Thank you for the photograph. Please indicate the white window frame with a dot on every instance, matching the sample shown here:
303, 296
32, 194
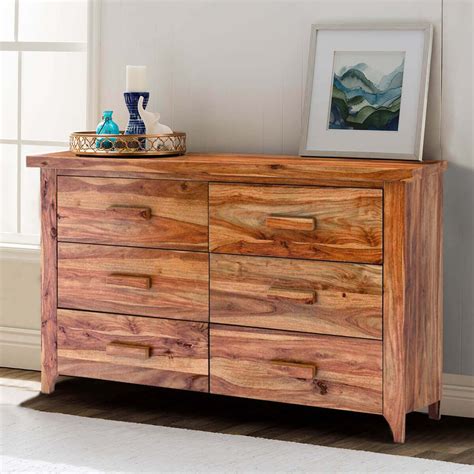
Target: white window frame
91, 47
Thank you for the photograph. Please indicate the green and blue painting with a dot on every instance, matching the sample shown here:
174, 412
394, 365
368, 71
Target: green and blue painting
367, 90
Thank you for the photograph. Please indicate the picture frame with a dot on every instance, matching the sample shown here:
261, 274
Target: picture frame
366, 91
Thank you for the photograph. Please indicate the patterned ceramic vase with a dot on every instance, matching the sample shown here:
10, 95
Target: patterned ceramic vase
135, 123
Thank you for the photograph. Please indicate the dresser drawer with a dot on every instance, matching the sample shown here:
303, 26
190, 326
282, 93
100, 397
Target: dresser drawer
131, 349
298, 295
341, 224
325, 371
147, 282
133, 212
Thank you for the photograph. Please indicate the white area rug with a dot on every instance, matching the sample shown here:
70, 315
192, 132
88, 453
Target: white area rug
33, 441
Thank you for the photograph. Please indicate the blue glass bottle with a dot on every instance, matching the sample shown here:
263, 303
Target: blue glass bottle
106, 127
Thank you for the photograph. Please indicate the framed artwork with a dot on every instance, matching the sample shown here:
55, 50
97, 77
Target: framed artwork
366, 91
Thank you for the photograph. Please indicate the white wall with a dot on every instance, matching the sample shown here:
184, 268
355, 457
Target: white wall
457, 147
231, 74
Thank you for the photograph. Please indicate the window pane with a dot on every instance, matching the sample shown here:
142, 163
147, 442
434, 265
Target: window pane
52, 20
7, 20
30, 189
8, 94
53, 102
8, 188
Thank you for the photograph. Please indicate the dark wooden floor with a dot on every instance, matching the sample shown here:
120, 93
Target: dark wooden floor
451, 439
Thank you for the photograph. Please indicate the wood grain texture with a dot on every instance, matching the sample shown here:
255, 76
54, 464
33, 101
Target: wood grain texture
339, 202
349, 371
424, 310
178, 290
291, 222
296, 295
244, 168
178, 349
49, 294
133, 212
349, 296
349, 222
434, 411
130, 212
128, 281
294, 370
412, 298
123, 349
394, 395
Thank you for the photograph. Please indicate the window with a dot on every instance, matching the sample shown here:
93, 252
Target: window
45, 58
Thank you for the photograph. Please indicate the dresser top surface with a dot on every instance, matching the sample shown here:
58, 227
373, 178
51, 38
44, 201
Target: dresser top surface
243, 168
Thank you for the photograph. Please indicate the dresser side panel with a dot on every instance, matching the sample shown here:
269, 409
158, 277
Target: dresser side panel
394, 307
412, 326
423, 320
49, 288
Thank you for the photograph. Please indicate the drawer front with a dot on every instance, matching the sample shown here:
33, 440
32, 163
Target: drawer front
131, 349
341, 224
133, 212
298, 295
325, 371
147, 282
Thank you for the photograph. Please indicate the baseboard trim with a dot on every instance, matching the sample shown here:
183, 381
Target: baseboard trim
458, 395
25, 253
21, 349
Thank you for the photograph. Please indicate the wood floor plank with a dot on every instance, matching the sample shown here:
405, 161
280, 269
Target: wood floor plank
466, 457
434, 455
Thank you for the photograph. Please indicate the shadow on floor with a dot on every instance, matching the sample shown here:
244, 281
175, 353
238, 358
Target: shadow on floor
451, 439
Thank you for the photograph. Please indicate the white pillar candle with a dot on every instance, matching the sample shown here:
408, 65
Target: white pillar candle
136, 79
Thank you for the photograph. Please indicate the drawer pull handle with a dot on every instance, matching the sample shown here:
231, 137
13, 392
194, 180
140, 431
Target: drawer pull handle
295, 370
291, 222
128, 281
304, 296
123, 349
130, 212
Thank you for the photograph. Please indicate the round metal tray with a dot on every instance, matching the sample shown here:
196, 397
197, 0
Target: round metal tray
90, 143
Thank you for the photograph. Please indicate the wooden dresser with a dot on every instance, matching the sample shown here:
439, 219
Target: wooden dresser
308, 281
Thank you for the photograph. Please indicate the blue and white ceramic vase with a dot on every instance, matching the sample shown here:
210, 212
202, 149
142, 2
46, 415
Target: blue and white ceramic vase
135, 123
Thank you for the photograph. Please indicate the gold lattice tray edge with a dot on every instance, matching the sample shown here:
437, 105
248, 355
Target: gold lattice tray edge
92, 144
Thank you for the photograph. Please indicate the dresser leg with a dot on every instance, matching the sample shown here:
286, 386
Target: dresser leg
48, 382
434, 412
397, 425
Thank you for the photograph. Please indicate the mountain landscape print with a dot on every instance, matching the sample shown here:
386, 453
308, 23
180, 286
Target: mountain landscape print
367, 90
